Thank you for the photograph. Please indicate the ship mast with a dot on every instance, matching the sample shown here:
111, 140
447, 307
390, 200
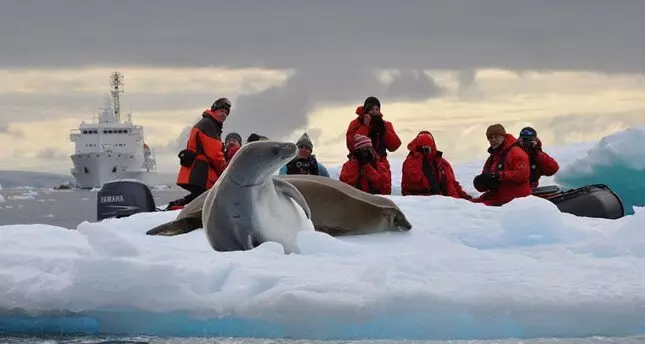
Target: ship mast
116, 91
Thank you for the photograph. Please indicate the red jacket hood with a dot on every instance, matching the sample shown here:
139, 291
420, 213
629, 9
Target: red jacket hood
424, 138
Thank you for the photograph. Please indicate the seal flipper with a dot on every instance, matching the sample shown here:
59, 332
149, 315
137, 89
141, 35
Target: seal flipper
176, 227
293, 192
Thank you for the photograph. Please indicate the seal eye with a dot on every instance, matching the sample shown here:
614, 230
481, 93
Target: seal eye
275, 150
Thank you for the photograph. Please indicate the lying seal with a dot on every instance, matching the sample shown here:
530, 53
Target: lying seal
247, 207
341, 209
336, 209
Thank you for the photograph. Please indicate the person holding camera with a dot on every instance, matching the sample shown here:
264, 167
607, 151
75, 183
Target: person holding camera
370, 123
425, 172
202, 162
506, 172
305, 162
540, 163
364, 170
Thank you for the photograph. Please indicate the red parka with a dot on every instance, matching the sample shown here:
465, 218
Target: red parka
428, 173
541, 164
373, 178
205, 140
511, 163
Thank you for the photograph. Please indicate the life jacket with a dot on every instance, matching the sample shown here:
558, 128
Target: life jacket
303, 166
502, 158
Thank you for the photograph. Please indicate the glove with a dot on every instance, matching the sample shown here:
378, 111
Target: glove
530, 146
364, 157
377, 125
487, 180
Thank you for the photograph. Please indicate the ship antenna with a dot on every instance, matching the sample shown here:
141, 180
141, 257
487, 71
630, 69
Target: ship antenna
117, 82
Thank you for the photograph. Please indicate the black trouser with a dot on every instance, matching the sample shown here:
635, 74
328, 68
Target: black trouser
194, 190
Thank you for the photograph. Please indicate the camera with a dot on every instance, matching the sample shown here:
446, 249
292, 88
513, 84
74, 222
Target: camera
425, 149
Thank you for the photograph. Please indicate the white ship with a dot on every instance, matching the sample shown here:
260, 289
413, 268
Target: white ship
108, 149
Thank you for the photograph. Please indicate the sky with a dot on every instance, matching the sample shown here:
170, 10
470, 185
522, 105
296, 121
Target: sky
572, 69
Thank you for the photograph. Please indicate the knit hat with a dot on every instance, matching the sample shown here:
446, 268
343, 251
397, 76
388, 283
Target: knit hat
221, 103
362, 141
528, 132
495, 129
369, 103
233, 136
305, 141
255, 137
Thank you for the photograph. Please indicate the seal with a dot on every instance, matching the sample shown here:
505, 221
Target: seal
341, 209
247, 207
336, 209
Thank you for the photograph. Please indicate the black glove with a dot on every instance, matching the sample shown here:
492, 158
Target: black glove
377, 125
487, 180
364, 157
530, 146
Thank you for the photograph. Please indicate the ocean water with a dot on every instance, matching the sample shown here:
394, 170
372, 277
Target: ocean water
65, 208
137, 340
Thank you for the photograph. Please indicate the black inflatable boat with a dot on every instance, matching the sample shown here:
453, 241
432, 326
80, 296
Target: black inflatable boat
596, 200
125, 197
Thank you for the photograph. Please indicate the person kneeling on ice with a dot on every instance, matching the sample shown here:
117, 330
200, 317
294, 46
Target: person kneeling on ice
305, 162
540, 163
505, 175
232, 144
426, 172
364, 170
202, 162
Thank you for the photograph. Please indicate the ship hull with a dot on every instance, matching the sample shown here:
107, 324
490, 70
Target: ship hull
92, 170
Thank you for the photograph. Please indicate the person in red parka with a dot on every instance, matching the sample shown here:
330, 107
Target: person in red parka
426, 172
364, 170
203, 161
232, 143
505, 175
371, 124
540, 163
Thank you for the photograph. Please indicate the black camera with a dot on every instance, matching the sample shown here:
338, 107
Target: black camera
425, 149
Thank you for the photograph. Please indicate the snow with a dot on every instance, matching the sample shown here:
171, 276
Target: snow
465, 271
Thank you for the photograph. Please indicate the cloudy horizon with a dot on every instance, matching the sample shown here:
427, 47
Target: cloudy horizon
572, 69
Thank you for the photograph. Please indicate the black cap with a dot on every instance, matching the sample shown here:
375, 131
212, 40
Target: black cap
222, 103
233, 135
256, 137
369, 103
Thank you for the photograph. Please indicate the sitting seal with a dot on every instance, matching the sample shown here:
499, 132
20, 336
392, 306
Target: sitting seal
247, 207
336, 209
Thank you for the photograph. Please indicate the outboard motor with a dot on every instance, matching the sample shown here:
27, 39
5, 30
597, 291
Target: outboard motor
122, 198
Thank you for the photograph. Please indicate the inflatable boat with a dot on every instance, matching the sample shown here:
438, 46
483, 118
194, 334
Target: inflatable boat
125, 197
596, 200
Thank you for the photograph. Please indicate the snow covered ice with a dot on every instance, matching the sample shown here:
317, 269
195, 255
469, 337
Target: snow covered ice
465, 271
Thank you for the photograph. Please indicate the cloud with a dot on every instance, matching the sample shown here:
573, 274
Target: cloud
277, 111
466, 81
413, 86
51, 153
459, 34
6, 130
